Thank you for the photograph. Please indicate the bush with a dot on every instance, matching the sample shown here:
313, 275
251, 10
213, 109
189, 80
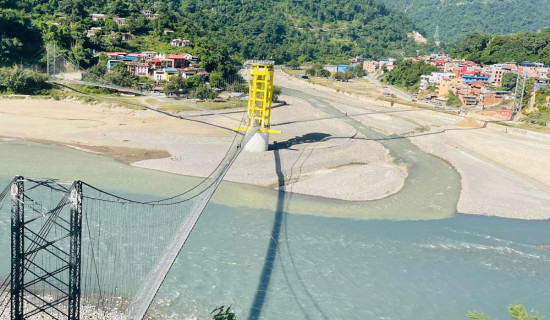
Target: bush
294, 65
407, 74
540, 117
318, 71
222, 313
276, 93
203, 92
238, 87
454, 101
17, 80
517, 312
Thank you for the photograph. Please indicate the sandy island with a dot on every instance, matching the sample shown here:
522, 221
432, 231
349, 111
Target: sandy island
502, 174
310, 161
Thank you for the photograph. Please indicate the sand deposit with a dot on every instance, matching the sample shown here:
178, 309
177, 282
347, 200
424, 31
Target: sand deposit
502, 174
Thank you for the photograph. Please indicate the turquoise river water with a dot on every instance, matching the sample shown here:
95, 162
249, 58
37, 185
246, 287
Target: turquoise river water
273, 255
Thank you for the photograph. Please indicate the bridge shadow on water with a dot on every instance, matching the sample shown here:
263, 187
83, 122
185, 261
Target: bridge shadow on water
265, 277
279, 230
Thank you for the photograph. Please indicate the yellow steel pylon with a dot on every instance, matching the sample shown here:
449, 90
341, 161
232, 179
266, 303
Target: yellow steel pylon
260, 96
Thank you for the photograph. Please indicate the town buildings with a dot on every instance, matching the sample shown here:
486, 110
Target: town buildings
157, 67
371, 66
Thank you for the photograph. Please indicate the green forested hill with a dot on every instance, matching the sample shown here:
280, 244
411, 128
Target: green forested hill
304, 29
220, 31
488, 49
458, 17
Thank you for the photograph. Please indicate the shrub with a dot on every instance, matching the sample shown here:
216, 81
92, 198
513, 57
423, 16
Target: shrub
203, 92
223, 313
17, 80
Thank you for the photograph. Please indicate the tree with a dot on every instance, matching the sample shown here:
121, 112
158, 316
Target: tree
203, 92
81, 55
324, 73
177, 85
339, 76
293, 64
517, 312
509, 81
17, 80
95, 72
215, 78
454, 101
120, 76
19, 40
471, 46
407, 73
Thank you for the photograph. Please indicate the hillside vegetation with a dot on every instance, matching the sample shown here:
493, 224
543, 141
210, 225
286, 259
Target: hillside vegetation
221, 32
458, 17
487, 49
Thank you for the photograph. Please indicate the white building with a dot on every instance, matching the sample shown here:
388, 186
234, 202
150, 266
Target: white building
179, 43
331, 68
148, 55
435, 78
148, 14
97, 16
158, 75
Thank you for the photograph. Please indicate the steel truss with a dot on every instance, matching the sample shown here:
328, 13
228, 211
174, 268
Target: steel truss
32, 238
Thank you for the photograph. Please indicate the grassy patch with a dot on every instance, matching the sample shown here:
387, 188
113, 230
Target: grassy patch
404, 102
209, 105
293, 72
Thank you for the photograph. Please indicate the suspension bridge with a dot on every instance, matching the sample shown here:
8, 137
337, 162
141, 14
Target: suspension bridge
81, 252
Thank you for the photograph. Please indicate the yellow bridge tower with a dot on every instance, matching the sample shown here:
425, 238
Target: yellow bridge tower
260, 97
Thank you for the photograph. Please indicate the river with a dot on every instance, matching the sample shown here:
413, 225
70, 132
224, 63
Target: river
273, 255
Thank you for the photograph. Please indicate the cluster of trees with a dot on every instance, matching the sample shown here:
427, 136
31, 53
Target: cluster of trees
407, 73
350, 73
27, 25
488, 49
19, 41
221, 32
318, 71
17, 80
192, 86
301, 31
458, 17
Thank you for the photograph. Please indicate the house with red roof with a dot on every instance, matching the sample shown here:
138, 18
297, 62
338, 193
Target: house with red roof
180, 60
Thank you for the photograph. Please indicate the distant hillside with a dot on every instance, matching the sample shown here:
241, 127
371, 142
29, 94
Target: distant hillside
520, 47
458, 17
219, 30
326, 30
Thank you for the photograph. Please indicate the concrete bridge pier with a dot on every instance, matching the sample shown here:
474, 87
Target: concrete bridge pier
258, 143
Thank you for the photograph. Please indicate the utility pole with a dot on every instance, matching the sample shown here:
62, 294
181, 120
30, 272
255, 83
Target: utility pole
54, 54
521, 83
48, 59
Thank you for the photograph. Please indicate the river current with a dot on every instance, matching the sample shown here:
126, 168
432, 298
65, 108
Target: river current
273, 255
